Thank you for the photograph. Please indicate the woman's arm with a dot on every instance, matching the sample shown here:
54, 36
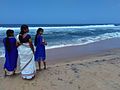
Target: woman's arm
18, 44
31, 45
44, 42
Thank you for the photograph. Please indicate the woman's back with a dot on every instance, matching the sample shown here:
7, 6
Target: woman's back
11, 54
26, 53
25, 38
12, 43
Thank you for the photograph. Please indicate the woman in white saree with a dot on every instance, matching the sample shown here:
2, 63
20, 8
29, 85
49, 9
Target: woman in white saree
26, 54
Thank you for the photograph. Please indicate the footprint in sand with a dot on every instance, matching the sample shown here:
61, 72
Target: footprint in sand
60, 79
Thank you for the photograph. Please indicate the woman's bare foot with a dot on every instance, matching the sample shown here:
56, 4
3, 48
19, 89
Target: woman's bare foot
39, 69
44, 67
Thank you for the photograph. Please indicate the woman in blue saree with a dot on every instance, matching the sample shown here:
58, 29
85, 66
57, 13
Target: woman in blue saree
40, 54
11, 53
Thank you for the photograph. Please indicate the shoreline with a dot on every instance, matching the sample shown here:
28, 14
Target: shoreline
59, 55
70, 53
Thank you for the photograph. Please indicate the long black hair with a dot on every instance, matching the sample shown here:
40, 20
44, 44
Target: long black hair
22, 28
9, 33
38, 30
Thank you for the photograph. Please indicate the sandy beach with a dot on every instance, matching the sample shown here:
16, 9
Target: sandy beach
94, 66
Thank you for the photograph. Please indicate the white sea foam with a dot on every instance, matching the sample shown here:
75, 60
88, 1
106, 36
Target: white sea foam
87, 40
2, 52
88, 26
84, 27
81, 41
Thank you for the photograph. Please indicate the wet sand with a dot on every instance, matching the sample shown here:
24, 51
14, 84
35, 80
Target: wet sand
72, 53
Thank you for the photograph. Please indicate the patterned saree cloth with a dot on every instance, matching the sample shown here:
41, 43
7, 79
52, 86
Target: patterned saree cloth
27, 63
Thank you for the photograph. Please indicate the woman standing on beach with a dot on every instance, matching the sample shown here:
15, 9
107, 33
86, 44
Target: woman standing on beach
26, 53
40, 43
11, 53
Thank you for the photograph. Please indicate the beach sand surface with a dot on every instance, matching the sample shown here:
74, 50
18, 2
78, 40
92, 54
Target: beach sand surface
97, 67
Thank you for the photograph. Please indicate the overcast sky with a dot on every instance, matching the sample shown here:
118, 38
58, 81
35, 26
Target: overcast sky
59, 11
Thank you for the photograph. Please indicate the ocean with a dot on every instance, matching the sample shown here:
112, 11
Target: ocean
63, 35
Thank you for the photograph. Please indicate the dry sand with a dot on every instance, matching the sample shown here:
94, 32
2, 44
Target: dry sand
93, 71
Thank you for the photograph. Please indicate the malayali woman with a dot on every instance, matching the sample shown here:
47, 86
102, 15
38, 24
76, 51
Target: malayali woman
11, 53
26, 53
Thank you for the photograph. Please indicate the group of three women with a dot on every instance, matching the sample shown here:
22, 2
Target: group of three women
21, 48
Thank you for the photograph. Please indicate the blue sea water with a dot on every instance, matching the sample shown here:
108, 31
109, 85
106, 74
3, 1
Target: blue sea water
62, 35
